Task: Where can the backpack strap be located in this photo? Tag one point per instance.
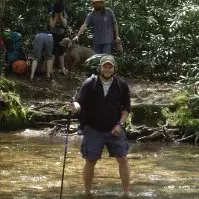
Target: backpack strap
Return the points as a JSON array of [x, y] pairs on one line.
[[93, 81]]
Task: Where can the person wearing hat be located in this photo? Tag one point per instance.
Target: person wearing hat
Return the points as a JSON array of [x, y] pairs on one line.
[[105, 27], [105, 109]]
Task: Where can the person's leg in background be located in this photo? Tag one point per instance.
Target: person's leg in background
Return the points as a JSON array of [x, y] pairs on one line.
[[33, 69], [54, 52], [107, 48], [97, 48], [48, 49], [103, 48], [38, 46], [61, 51]]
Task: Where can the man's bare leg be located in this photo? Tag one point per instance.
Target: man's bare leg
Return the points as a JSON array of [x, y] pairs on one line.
[[49, 68], [62, 66], [52, 64], [88, 175], [124, 171]]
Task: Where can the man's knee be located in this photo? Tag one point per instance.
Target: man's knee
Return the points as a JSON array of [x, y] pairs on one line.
[[91, 163], [122, 160]]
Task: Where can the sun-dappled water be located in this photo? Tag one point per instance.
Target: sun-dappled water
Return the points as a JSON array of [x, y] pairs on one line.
[[31, 167]]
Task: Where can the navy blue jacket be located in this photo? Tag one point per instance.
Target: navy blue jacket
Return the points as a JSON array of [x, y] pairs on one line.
[[103, 112]]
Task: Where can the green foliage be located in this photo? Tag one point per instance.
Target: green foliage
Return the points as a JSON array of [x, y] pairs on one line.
[[156, 44], [14, 115], [187, 102], [190, 77], [92, 64], [186, 112], [158, 36], [190, 83], [64, 109], [6, 85], [128, 124], [180, 99], [194, 105]]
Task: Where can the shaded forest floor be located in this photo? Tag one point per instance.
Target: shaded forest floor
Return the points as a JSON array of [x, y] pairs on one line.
[[61, 89]]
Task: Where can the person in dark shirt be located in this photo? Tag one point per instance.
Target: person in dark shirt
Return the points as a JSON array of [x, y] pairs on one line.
[[105, 109], [58, 23]]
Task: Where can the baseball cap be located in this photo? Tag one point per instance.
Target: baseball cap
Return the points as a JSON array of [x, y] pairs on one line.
[[108, 59]]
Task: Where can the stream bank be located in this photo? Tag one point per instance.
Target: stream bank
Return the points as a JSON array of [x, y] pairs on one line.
[[45, 99]]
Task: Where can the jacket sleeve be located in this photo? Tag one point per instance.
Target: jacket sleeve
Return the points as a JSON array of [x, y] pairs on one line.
[[125, 98], [84, 93]]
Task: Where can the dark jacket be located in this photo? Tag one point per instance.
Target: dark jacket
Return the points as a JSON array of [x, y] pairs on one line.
[[99, 112]]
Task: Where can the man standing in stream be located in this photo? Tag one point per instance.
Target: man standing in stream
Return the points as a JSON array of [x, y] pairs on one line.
[[104, 104]]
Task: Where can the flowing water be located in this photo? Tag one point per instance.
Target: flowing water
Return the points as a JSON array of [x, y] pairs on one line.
[[31, 167]]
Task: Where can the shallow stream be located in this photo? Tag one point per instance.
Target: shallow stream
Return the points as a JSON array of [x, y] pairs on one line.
[[31, 167]]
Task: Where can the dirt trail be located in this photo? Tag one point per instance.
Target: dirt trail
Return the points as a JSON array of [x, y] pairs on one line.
[[61, 89]]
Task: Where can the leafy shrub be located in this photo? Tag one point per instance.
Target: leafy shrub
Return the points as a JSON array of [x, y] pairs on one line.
[[158, 36], [185, 113]]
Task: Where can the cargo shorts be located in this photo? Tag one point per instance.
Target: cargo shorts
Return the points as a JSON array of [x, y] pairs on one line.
[[94, 142]]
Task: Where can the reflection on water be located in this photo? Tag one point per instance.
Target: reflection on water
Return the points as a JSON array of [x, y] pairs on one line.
[[31, 167]]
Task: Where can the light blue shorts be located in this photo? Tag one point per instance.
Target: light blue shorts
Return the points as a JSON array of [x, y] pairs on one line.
[[43, 45]]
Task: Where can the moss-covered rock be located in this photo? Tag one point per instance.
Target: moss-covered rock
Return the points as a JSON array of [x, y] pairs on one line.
[[13, 115], [185, 113], [148, 114]]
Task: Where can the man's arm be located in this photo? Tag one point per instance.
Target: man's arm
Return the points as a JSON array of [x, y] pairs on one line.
[[124, 115], [126, 108], [116, 28], [81, 98], [119, 47], [117, 130], [126, 102], [115, 24], [81, 31], [117, 38]]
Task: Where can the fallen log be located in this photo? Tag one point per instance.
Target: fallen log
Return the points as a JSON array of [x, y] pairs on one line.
[[190, 138], [156, 136]]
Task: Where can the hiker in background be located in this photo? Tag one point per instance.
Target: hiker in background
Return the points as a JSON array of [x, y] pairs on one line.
[[43, 45], [58, 23], [14, 51], [105, 27], [105, 110]]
